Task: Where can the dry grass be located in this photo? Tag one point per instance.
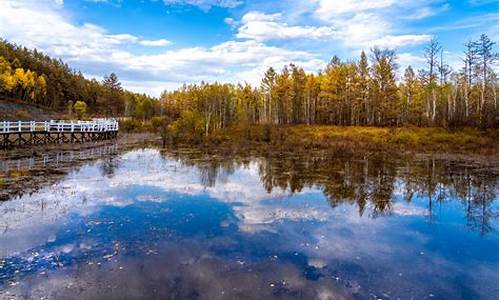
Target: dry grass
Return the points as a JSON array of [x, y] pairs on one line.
[[406, 139]]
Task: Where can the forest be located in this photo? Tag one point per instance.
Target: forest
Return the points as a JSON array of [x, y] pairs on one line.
[[363, 92], [366, 92], [34, 78]]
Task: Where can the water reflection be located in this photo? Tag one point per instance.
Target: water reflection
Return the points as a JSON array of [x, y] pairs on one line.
[[24, 174], [371, 184], [189, 225]]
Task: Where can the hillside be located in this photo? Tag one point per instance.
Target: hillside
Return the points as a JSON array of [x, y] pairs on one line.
[[31, 77], [12, 110]]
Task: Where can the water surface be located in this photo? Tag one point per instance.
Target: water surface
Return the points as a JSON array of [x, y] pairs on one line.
[[152, 224]]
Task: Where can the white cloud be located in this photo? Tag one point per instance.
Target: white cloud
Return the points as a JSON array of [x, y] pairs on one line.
[[218, 62], [94, 50], [349, 26], [367, 23], [230, 21], [357, 24], [261, 27], [407, 59], [43, 27], [427, 11], [205, 5], [155, 43], [328, 10], [394, 41]]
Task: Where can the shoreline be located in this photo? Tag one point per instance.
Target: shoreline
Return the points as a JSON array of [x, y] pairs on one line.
[[26, 180], [464, 144], [347, 141]]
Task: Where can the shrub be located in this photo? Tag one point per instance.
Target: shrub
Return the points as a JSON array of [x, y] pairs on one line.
[[80, 108], [130, 125], [22, 115], [190, 125], [267, 132]]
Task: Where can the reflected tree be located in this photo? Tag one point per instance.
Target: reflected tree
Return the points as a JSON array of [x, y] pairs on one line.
[[373, 184]]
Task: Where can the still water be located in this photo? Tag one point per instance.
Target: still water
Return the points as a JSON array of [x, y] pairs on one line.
[[185, 225]]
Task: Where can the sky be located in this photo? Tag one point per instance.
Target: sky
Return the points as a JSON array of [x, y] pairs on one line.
[[156, 45]]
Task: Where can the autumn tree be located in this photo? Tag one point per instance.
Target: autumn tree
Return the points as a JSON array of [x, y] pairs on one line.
[[431, 54], [267, 86], [485, 58], [80, 107], [113, 103], [362, 88], [383, 83]]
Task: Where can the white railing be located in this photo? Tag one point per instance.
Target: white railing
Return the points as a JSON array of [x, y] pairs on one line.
[[100, 125]]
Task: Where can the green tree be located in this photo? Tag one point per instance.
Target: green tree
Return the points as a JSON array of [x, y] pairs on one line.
[[385, 92], [485, 58], [362, 89], [114, 101], [267, 86], [80, 107]]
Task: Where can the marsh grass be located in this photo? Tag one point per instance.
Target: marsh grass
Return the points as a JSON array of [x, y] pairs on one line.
[[348, 139]]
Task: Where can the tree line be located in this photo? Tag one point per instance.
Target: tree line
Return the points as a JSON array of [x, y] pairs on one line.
[[35, 78], [365, 92]]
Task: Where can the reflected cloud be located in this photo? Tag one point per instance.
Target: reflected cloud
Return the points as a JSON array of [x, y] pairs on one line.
[[262, 227]]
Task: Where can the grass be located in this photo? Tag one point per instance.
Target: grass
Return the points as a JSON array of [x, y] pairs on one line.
[[432, 140], [406, 139]]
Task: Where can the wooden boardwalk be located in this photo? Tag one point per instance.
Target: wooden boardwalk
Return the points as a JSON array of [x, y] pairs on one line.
[[20, 133]]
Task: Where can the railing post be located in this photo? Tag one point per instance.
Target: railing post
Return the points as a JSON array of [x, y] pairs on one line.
[[19, 125]]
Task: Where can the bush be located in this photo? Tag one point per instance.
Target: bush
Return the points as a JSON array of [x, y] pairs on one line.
[[80, 108], [23, 115], [130, 125], [190, 125], [267, 131], [159, 124]]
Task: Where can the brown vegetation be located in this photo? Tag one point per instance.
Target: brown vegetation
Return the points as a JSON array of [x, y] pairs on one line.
[[350, 139]]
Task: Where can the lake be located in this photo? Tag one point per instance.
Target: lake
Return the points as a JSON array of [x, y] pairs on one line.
[[147, 223]]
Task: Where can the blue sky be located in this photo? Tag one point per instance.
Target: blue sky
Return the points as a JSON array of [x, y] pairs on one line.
[[154, 45]]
